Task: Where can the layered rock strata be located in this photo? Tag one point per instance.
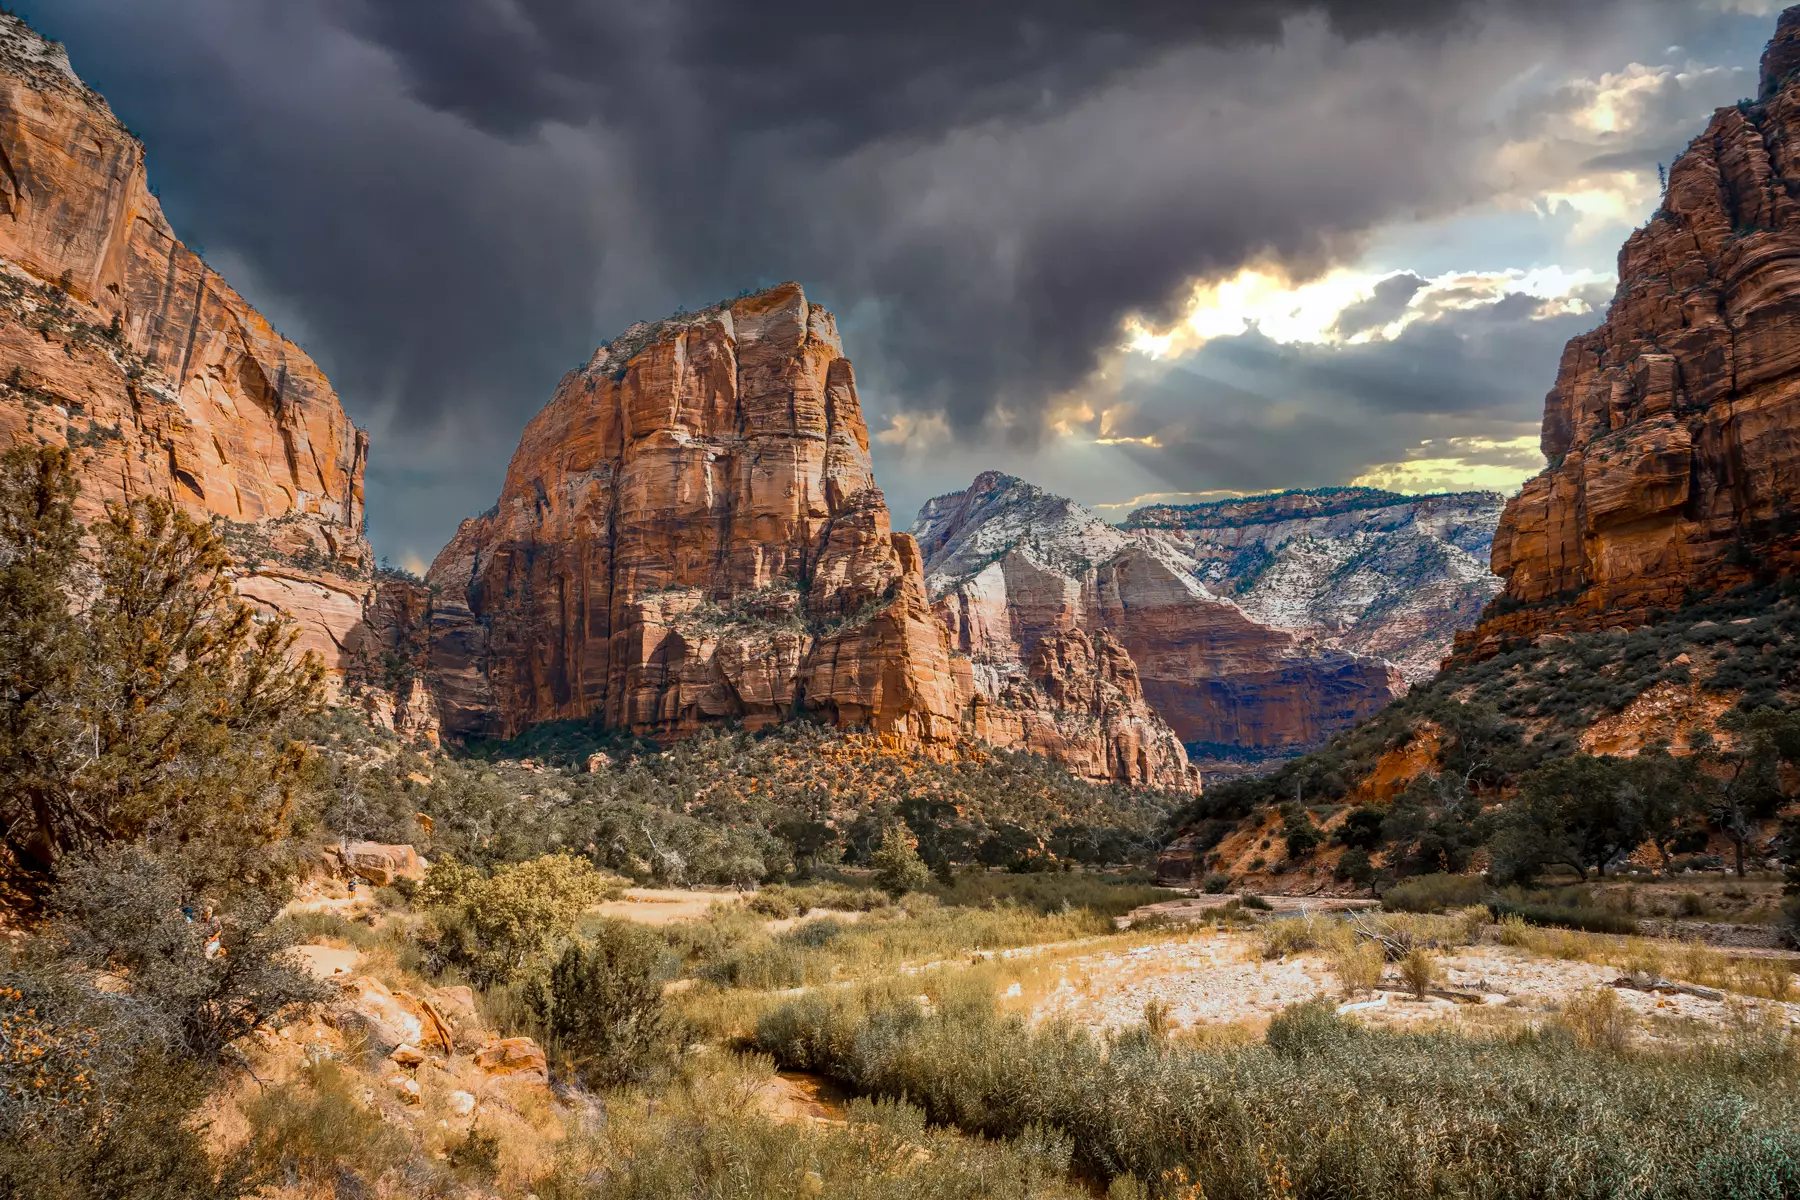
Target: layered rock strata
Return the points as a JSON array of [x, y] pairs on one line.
[[1015, 569], [690, 533], [1673, 431], [1359, 569], [119, 342]]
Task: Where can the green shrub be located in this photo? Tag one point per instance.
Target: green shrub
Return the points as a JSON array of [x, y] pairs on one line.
[[602, 1009], [1354, 866], [1216, 883], [1434, 893], [495, 926], [1590, 920]]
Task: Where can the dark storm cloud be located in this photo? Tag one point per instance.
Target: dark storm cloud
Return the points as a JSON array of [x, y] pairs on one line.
[[1385, 304], [453, 201]]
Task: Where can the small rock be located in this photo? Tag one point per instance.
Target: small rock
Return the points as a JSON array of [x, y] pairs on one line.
[[407, 1056], [407, 1089], [462, 1103], [513, 1056]]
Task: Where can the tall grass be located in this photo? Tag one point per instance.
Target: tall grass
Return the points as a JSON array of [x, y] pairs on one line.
[[730, 948], [705, 1139], [1325, 1107]]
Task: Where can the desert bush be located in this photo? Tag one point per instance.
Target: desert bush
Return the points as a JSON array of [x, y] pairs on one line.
[[200, 979], [1772, 978], [705, 1139], [1582, 917], [1434, 893], [1789, 921], [1216, 883], [316, 1129], [1324, 1107], [1358, 966], [95, 1104], [1598, 1021], [494, 926], [773, 901], [602, 1008], [1419, 971]]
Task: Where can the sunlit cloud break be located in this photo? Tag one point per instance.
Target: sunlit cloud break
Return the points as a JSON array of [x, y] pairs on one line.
[[1460, 464], [1315, 311]]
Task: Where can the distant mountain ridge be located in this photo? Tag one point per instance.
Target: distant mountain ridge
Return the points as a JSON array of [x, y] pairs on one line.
[[1259, 625]]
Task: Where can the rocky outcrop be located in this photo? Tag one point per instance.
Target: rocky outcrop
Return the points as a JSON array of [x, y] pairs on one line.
[[1673, 431], [1016, 569], [118, 341], [690, 533], [1357, 569], [1080, 702]]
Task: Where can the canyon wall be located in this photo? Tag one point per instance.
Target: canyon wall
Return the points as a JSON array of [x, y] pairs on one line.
[[119, 342], [1358, 569], [1245, 622], [1673, 431], [690, 533]]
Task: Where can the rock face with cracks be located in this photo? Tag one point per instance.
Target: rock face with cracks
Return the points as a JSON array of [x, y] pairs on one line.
[[690, 533], [1673, 431], [1017, 572], [119, 342]]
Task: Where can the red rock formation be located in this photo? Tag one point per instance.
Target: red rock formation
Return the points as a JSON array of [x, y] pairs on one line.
[[690, 531], [1673, 432], [118, 341], [1081, 703], [1017, 569]]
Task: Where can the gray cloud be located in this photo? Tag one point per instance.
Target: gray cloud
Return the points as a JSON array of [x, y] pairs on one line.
[[1249, 414], [453, 201]]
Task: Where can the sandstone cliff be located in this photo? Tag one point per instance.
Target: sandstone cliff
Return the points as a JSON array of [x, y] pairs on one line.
[[1015, 569], [690, 532], [1359, 569], [1673, 431], [119, 342]]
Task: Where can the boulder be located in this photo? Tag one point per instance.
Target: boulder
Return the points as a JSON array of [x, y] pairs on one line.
[[513, 1058], [382, 864], [389, 1019]]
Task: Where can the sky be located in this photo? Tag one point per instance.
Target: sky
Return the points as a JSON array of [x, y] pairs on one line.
[[1133, 252]]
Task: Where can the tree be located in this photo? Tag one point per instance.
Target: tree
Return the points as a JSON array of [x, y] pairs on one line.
[[39, 645], [1671, 793], [137, 694], [1302, 836], [898, 867], [1581, 811], [1747, 779], [602, 1006]]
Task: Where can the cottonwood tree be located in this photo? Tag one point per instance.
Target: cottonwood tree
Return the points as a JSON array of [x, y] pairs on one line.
[[138, 695], [1582, 811]]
